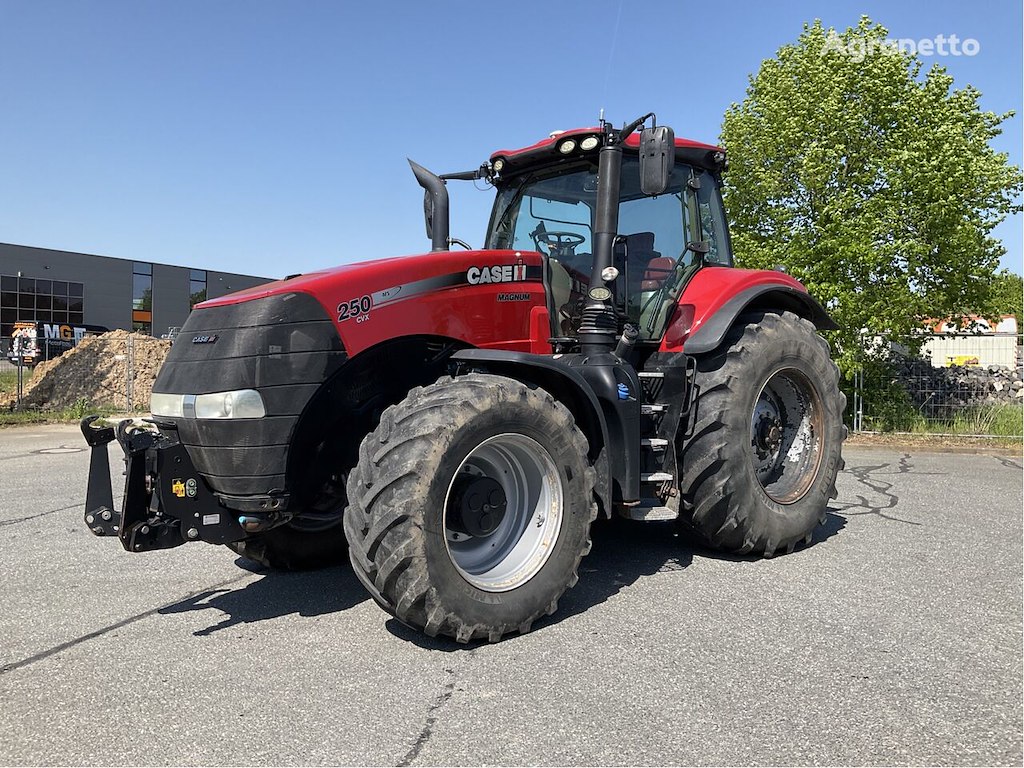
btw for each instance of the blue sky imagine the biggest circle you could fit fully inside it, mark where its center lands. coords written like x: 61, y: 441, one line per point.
x: 271, y: 137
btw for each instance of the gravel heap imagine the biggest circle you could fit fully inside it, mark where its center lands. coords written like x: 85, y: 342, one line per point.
x: 97, y: 371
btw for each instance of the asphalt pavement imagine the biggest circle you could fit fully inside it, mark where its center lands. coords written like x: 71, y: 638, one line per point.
x: 895, y: 638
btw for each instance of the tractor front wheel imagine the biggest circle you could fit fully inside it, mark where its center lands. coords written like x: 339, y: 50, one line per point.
x: 470, y: 507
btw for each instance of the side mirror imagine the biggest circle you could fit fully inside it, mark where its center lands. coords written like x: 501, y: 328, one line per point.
x: 657, y: 158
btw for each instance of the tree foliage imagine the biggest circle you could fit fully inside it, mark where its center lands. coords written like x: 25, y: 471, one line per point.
x: 1008, y: 296
x: 870, y: 180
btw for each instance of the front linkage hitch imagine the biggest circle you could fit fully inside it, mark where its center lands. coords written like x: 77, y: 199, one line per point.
x: 166, y: 503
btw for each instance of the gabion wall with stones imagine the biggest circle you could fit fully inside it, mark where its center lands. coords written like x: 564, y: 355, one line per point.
x: 936, y: 392
x: 963, y: 383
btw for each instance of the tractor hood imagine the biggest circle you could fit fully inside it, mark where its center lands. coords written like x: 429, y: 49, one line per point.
x: 482, y: 298
x: 285, y: 339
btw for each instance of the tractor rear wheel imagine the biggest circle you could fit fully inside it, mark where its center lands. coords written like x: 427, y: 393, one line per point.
x: 761, y: 456
x: 470, y: 507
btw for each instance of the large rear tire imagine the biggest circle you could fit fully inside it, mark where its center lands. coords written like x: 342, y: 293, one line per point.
x: 761, y: 458
x: 470, y: 507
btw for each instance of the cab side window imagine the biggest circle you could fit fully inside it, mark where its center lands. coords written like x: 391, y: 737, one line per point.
x: 712, y: 223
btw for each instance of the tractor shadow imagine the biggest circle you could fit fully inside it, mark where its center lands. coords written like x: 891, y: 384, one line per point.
x: 623, y: 553
x: 275, y: 595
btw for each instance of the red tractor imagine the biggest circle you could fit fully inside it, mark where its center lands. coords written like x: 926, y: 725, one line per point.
x: 460, y: 418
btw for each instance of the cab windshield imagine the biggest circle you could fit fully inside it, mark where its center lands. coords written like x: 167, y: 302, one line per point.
x: 553, y: 212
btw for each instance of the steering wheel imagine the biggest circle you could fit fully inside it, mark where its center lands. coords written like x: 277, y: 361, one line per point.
x: 558, y: 242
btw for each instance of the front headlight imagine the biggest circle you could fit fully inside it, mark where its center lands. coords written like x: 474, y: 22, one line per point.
x: 238, y: 404
x: 167, y: 405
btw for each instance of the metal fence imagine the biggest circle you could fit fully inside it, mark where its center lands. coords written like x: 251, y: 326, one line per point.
x: 956, y: 384
x: 16, y: 371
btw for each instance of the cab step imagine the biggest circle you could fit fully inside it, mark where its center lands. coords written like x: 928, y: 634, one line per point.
x: 651, y: 512
x: 654, y: 443
x: 647, y: 409
x: 651, y: 374
x: 655, y: 477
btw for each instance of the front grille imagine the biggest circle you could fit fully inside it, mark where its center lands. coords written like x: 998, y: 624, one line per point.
x: 284, y: 346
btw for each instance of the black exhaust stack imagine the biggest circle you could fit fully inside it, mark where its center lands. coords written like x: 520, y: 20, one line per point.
x: 435, y: 206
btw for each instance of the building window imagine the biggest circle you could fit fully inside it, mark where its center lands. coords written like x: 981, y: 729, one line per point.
x: 31, y: 300
x: 196, y: 287
x: 142, y: 297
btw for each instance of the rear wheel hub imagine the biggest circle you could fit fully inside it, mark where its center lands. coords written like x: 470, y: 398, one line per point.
x: 768, y: 434
x: 786, y: 435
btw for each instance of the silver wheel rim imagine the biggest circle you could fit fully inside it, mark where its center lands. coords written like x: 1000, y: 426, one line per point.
x: 520, y: 545
x: 786, y: 430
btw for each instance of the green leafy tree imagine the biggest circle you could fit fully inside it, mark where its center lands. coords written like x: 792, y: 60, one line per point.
x: 870, y: 180
x: 1008, y: 296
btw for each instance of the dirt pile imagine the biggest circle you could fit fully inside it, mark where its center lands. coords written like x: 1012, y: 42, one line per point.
x: 115, y: 369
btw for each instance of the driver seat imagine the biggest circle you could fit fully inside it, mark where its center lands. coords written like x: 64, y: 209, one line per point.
x: 658, y: 270
x: 639, y: 256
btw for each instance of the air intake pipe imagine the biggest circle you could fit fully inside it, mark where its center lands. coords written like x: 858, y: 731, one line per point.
x: 435, y: 206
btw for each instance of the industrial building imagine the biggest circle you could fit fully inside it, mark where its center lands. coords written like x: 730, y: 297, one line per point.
x: 40, y: 285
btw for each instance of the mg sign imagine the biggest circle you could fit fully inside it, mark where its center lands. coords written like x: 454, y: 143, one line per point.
x: 63, y: 332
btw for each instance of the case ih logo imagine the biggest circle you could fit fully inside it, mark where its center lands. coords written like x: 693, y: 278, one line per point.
x: 508, y: 273
x: 204, y: 339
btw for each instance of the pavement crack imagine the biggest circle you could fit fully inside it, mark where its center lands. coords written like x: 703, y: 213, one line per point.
x: 10, y: 667
x: 39, y: 514
x: 1008, y: 463
x: 428, y: 727
x: 868, y: 476
x: 44, y: 514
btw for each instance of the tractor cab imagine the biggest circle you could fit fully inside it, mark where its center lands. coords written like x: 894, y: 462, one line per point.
x: 625, y: 219
x: 663, y: 239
